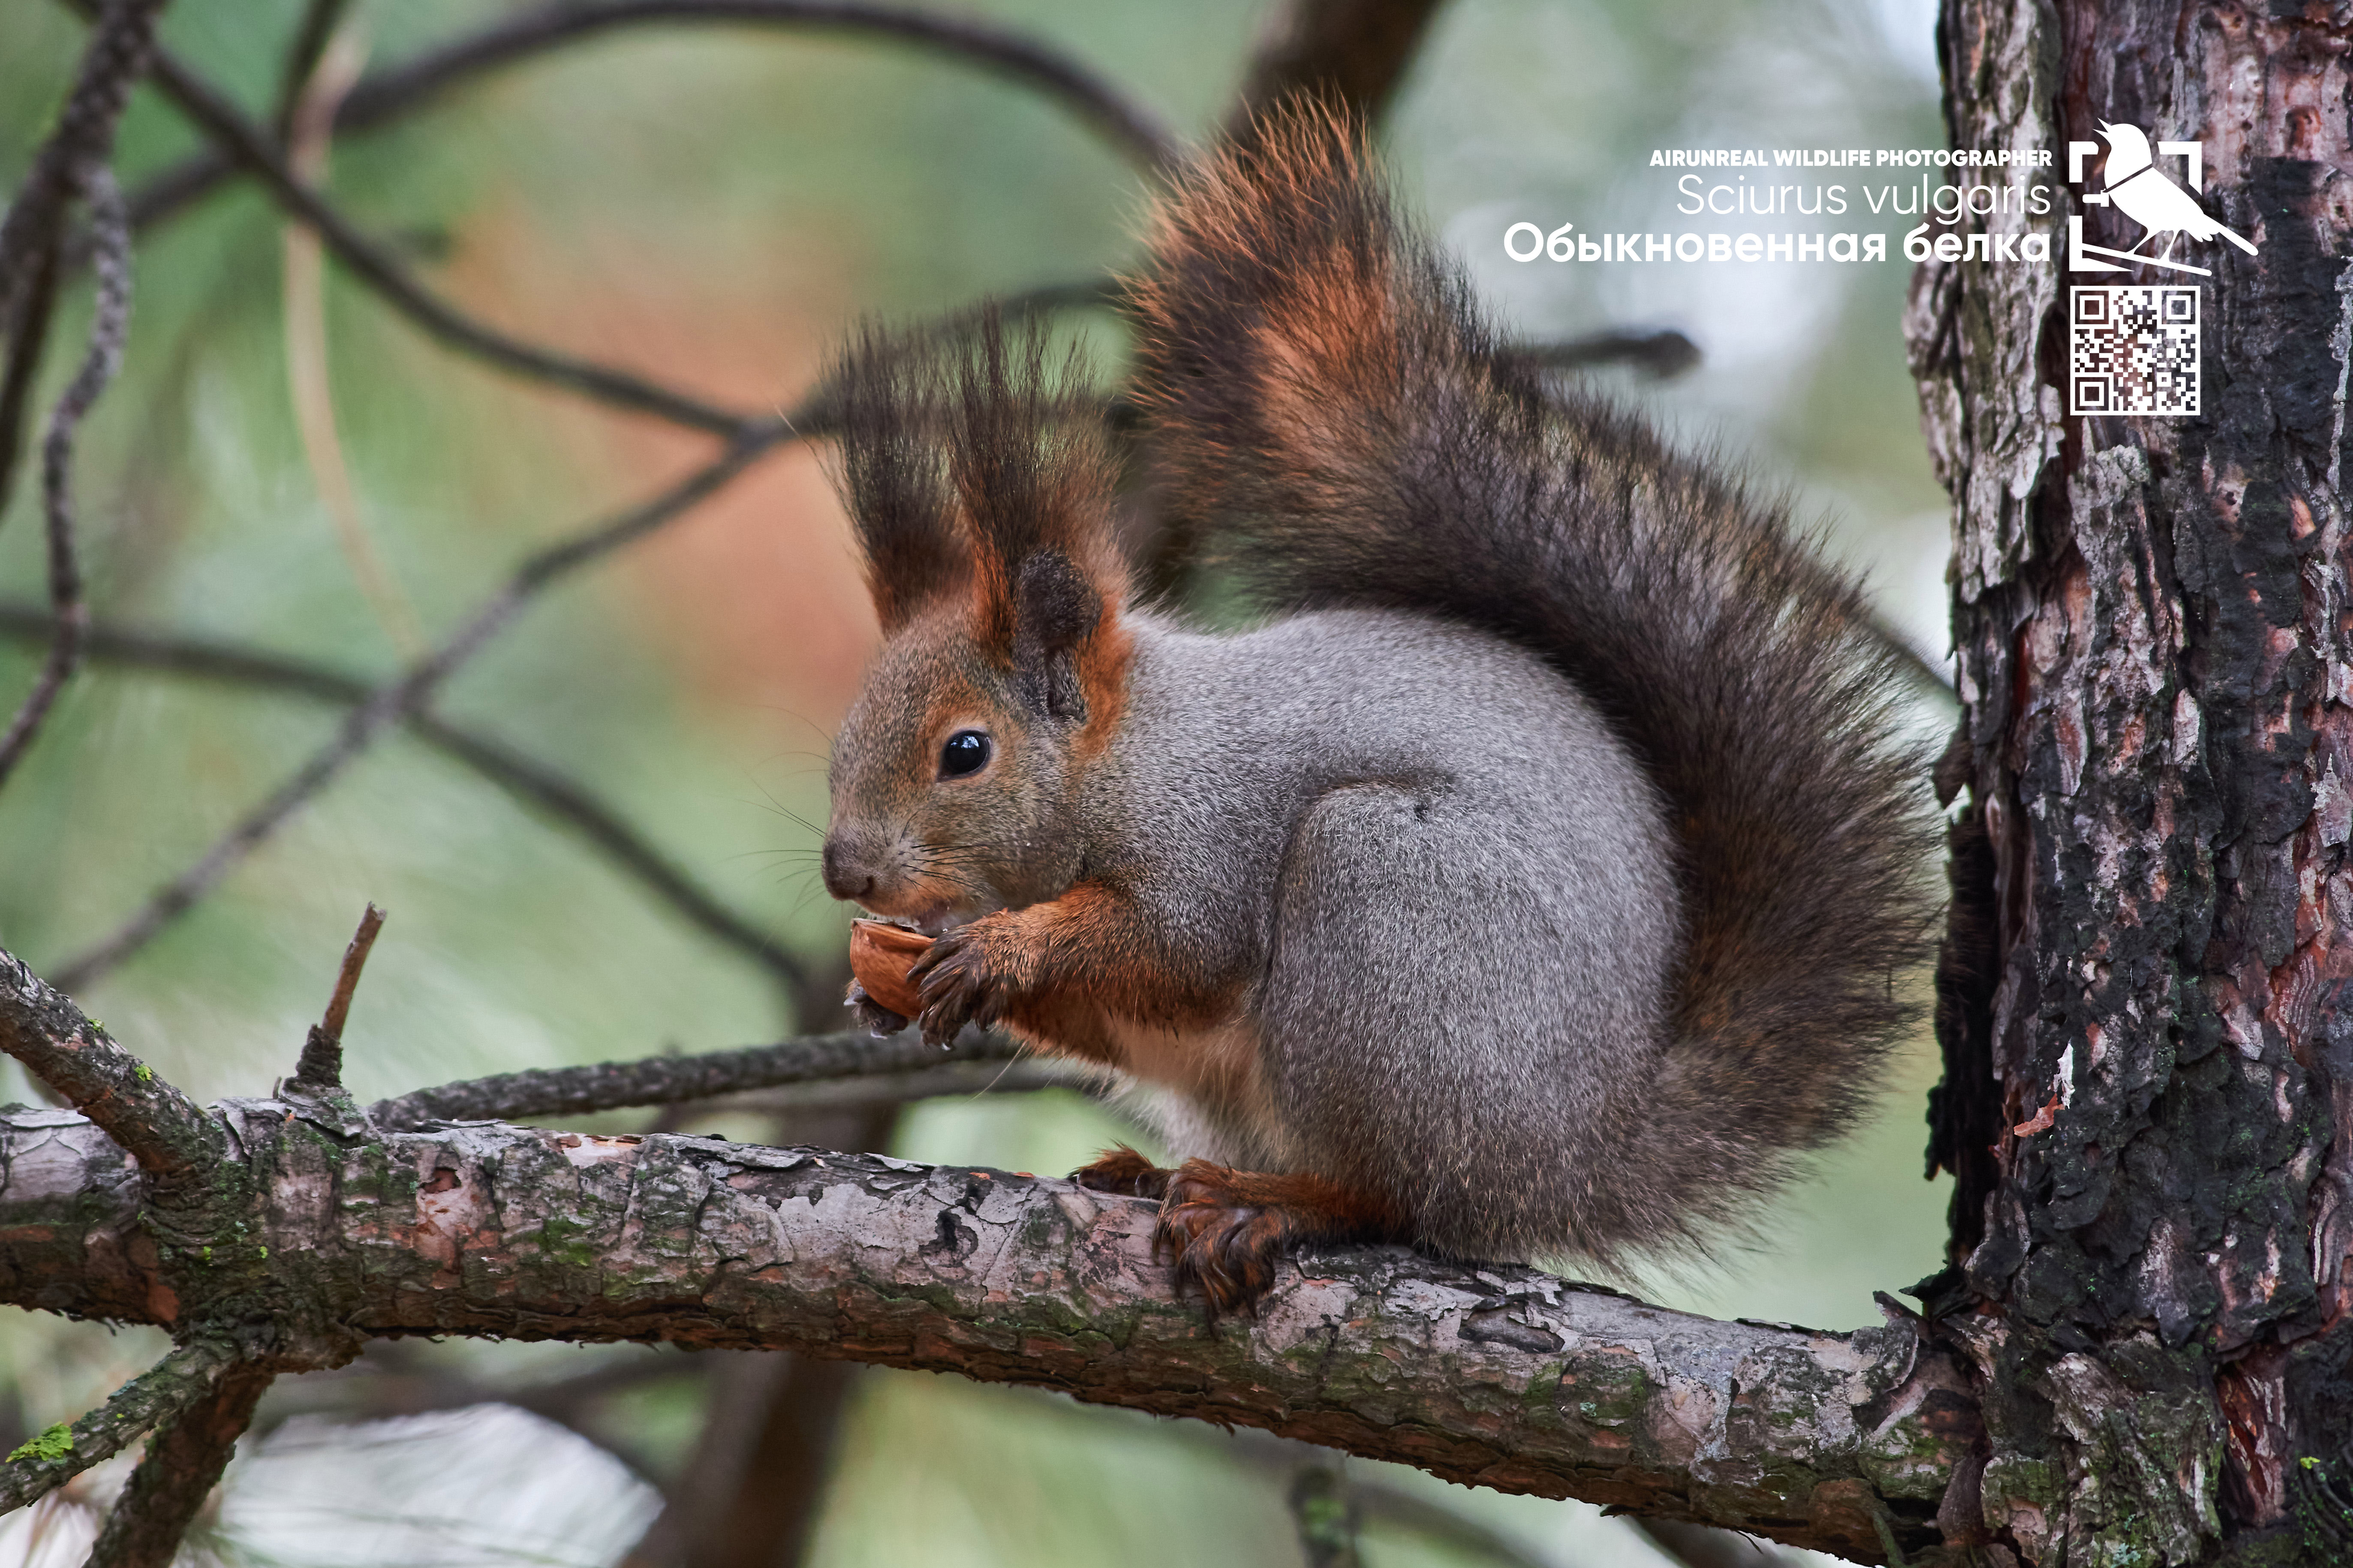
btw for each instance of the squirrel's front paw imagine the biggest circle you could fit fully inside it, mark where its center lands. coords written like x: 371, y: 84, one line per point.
x: 958, y: 985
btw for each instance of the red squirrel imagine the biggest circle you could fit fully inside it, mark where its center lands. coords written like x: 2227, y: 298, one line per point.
x: 1534, y: 880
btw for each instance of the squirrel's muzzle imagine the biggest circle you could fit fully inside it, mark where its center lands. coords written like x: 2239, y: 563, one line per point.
x: 848, y: 875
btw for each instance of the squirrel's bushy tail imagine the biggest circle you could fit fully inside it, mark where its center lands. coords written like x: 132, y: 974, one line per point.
x: 1329, y: 404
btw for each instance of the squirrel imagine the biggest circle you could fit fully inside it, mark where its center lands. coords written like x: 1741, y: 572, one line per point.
x: 1533, y: 881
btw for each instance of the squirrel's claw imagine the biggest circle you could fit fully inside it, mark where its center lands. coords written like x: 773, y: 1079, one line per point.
x: 953, y: 981
x: 878, y: 1018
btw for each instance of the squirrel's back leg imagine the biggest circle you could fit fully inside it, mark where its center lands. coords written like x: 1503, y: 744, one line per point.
x: 1463, y: 1000
x: 1226, y: 1230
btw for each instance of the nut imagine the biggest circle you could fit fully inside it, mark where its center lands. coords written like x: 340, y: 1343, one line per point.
x: 880, y: 955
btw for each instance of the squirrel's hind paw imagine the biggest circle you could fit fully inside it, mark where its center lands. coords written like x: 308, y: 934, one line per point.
x: 1227, y: 1231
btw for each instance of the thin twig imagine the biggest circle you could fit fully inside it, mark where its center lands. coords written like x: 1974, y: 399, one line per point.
x: 665, y: 1080
x: 533, y: 784
x: 375, y: 266
x: 872, y: 1089
x: 394, y: 702
x: 398, y: 90
x: 347, y: 977
x: 321, y: 1066
x: 184, y: 1462
x: 1660, y: 354
x: 1934, y: 677
x: 28, y: 336
x: 248, y: 145
x: 1379, y: 1502
x: 108, y: 323
x: 1127, y: 125
x: 57, y: 1456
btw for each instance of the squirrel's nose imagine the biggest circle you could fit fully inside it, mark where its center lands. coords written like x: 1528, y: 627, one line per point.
x: 844, y: 878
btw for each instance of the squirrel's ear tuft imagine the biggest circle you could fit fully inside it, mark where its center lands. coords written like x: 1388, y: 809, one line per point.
x: 1034, y: 480
x: 891, y: 404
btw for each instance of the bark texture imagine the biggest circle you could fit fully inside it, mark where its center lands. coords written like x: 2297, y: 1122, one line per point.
x: 1506, y: 1377
x: 2148, y: 1046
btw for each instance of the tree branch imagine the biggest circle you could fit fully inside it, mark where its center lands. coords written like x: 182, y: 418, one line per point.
x: 394, y: 702
x: 1503, y: 1377
x: 668, y: 1080
x: 172, y: 1386
x: 108, y: 323
x: 396, y: 91
x: 533, y: 784
x: 161, y: 1128
x: 184, y: 1461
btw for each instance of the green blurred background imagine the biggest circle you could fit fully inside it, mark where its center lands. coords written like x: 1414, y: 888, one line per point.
x: 714, y: 205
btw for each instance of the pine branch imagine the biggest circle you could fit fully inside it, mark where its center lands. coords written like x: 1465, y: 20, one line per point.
x: 1497, y: 1377
x: 183, y: 1463
x: 161, y: 1128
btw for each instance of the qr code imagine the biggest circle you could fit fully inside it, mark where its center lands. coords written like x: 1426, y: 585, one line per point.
x: 2133, y: 350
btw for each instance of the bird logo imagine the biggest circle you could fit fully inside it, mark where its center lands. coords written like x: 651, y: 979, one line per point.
x: 2137, y: 187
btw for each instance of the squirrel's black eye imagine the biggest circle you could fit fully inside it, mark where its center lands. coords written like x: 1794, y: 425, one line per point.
x: 966, y: 752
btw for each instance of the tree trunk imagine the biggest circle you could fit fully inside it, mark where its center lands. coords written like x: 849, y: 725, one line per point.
x: 2148, y: 1042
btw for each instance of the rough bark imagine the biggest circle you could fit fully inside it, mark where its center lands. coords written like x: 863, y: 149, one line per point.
x: 329, y: 1232
x: 184, y: 1461
x: 2149, y: 1054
